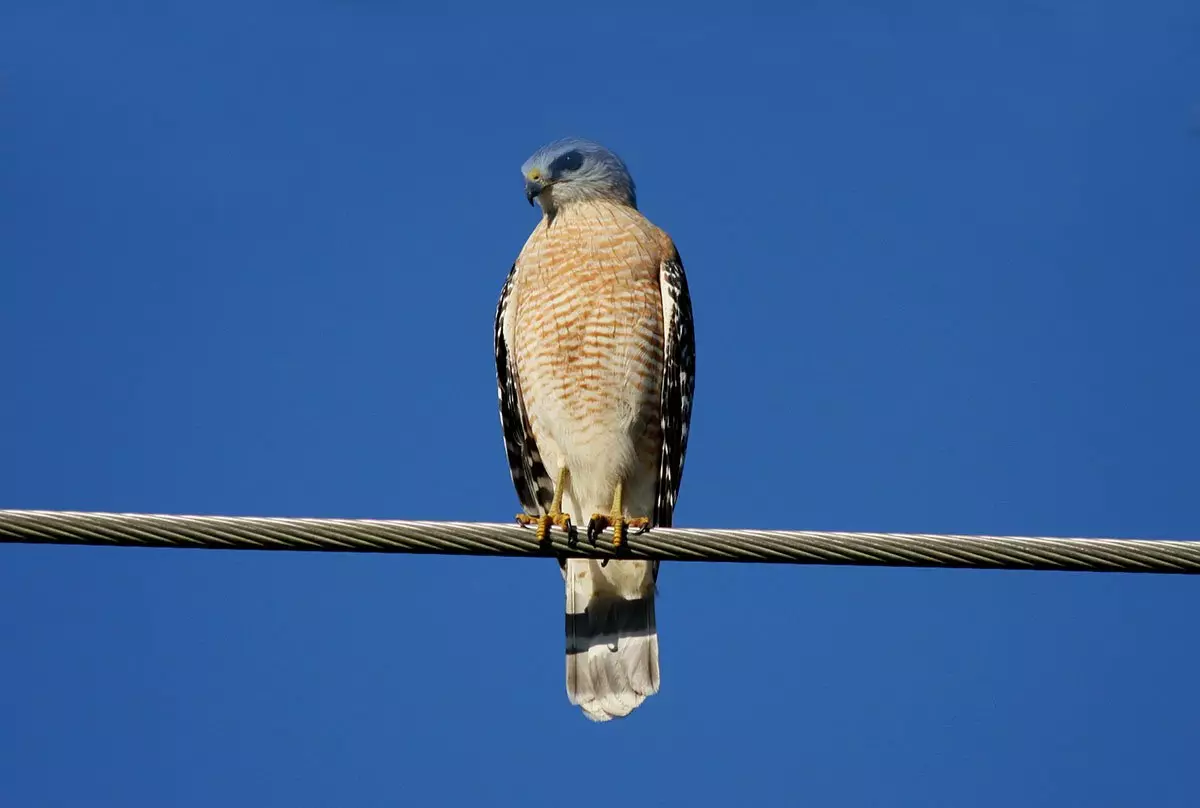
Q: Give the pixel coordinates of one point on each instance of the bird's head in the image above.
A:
(572, 170)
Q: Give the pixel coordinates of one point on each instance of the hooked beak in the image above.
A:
(532, 189)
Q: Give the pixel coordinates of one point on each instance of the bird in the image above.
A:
(595, 371)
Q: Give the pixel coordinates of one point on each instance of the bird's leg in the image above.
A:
(616, 519)
(555, 516)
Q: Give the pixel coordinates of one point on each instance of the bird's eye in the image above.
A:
(571, 161)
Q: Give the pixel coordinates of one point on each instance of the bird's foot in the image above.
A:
(544, 522)
(619, 524)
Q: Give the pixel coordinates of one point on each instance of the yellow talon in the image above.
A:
(617, 521)
(544, 522)
(554, 517)
(622, 526)
(559, 519)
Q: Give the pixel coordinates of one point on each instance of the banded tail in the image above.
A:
(612, 641)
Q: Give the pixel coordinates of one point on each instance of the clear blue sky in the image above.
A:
(946, 269)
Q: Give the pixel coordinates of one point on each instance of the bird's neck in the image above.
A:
(587, 208)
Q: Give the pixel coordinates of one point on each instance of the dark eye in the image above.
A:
(571, 161)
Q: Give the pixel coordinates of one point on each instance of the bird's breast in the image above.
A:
(589, 331)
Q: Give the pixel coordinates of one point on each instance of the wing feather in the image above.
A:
(533, 484)
(678, 385)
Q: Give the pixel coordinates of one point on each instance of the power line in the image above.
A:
(668, 544)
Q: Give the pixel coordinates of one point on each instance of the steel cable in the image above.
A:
(668, 544)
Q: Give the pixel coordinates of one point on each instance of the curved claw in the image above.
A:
(596, 525)
(599, 522)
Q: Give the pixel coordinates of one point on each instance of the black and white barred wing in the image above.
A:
(678, 384)
(533, 485)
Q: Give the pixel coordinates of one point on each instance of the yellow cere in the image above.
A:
(535, 175)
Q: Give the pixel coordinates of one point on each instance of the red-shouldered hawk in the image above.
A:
(595, 362)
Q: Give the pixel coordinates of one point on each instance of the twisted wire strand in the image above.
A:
(668, 544)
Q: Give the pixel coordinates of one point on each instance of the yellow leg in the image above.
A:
(616, 516)
(555, 516)
(616, 519)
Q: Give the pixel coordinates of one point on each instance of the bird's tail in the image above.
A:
(612, 642)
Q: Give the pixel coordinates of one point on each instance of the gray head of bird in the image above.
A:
(576, 170)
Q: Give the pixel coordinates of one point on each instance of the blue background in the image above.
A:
(945, 272)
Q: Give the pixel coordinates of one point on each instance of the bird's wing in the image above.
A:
(529, 476)
(678, 384)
